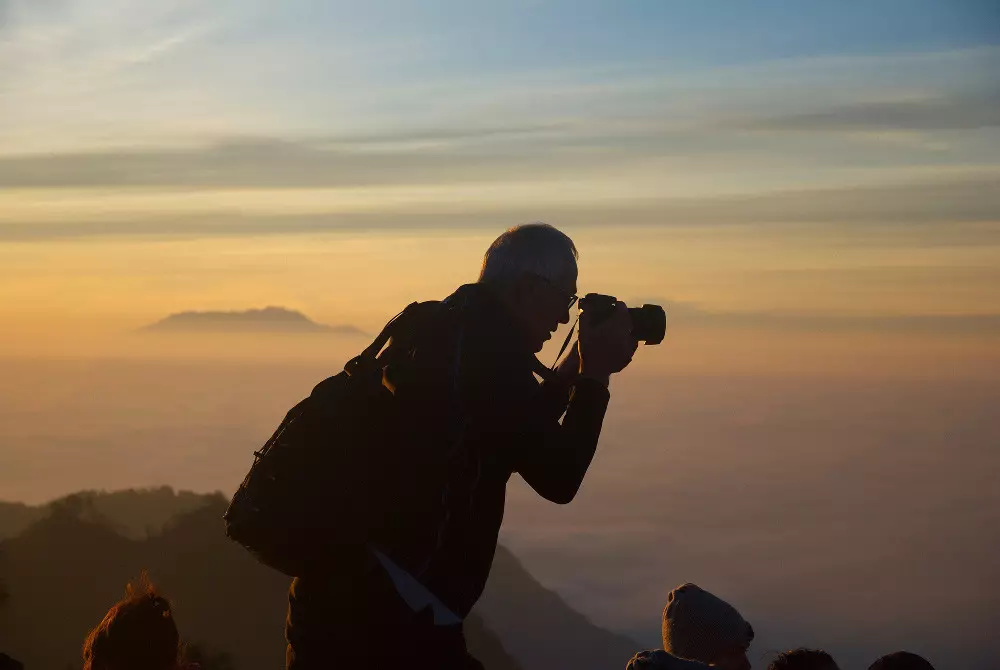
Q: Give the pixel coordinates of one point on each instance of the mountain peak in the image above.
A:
(269, 319)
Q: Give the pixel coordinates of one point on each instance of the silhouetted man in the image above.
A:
(478, 415)
(901, 660)
(803, 659)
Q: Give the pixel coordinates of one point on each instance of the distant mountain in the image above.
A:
(64, 570)
(540, 629)
(134, 513)
(267, 320)
(15, 517)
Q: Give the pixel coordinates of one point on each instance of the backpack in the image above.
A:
(313, 489)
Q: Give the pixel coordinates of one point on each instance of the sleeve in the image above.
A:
(553, 398)
(550, 455)
(553, 457)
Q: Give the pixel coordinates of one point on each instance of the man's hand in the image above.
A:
(606, 347)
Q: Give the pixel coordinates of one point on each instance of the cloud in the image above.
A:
(916, 205)
(683, 314)
(417, 156)
(957, 112)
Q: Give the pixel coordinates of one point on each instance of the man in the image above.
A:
(475, 415)
(658, 659)
(901, 660)
(702, 627)
(803, 659)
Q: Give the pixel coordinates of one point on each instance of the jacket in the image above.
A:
(474, 415)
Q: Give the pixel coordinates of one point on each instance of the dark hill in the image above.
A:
(267, 320)
(15, 517)
(134, 513)
(539, 628)
(66, 569)
(63, 572)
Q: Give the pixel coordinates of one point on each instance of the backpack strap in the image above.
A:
(370, 353)
(406, 323)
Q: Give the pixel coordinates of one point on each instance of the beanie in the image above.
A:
(700, 626)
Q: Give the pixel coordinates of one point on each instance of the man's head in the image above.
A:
(699, 626)
(901, 660)
(533, 270)
(803, 659)
(137, 632)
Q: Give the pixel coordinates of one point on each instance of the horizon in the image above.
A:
(812, 193)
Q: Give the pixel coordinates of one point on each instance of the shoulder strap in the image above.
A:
(406, 322)
(371, 352)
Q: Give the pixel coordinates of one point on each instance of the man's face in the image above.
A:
(542, 304)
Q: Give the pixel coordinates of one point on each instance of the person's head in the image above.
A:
(901, 660)
(137, 633)
(533, 270)
(803, 659)
(699, 626)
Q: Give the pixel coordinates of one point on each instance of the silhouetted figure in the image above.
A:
(8, 663)
(901, 660)
(803, 659)
(137, 633)
(658, 659)
(476, 415)
(702, 627)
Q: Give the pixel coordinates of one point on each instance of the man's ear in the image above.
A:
(523, 288)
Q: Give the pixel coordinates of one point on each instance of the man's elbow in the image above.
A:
(562, 495)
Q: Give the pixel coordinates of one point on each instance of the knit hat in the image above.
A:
(698, 625)
(901, 660)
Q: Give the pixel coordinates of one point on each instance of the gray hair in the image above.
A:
(533, 247)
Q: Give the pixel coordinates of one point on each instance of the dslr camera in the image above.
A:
(649, 322)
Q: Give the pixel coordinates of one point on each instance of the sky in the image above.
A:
(840, 158)
(811, 189)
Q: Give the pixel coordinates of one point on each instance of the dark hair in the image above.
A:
(137, 633)
(901, 660)
(803, 659)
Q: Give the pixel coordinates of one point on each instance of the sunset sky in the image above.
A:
(343, 158)
(812, 189)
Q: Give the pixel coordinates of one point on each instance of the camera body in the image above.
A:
(649, 322)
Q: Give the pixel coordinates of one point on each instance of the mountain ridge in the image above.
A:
(269, 319)
(85, 546)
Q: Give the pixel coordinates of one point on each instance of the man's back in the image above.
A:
(444, 483)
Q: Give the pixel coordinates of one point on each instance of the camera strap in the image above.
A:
(565, 343)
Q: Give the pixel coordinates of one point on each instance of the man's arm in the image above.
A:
(553, 457)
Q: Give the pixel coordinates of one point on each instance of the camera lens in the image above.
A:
(649, 323)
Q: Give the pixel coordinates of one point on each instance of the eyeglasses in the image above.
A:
(570, 299)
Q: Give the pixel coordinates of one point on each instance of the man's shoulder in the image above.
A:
(468, 329)
(487, 330)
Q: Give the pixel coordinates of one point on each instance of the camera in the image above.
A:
(649, 322)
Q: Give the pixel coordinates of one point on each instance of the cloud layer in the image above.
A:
(915, 204)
